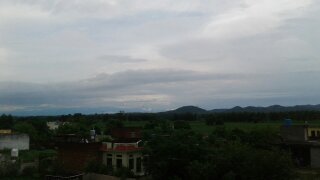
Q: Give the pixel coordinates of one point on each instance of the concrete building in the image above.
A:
(5, 131)
(123, 155)
(294, 133)
(303, 141)
(300, 133)
(313, 133)
(53, 125)
(75, 152)
(125, 150)
(315, 156)
(14, 141)
(127, 133)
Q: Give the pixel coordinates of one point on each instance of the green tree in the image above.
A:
(6, 121)
(113, 124)
(181, 125)
(224, 155)
(74, 128)
(169, 156)
(27, 128)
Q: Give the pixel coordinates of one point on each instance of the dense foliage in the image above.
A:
(260, 116)
(182, 154)
(172, 149)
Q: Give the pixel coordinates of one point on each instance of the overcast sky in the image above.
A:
(154, 55)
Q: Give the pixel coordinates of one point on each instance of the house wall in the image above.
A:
(53, 125)
(74, 157)
(294, 133)
(94, 176)
(18, 141)
(5, 131)
(125, 156)
(127, 133)
(313, 132)
(315, 157)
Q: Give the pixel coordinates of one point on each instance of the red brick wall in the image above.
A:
(74, 157)
(126, 133)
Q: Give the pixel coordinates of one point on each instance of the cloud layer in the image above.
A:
(157, 55)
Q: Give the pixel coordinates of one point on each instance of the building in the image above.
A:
(125, 154)
(125, 150)
(300, 133)
(11, 140)
(53, 125)
(5, 131)
(74, 153)
(127, 133)
(313, 133)
(303, 141)
(74, 157)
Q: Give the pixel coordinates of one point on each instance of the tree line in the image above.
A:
(236, 154)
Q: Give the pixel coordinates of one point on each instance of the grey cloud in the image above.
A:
(235, 53)
(120, 59)
(276, 51)
(153, 76)
(138, 86)
(157, 89)
(127, 6)
(257, 48)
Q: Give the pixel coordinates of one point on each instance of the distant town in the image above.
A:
(186, 143)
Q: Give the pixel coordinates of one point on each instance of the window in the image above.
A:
(109, 161)
(132, 134)
(119, 163)
(131, 163)
(313, 134)
(138, 164)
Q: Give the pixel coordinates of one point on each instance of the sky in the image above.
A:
(59, 56)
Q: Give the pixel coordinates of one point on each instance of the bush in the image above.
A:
(9, 169)
(96, 167)
(29, 171)
(123, 173)
(181, 125)
(46, 166)
(223, 155)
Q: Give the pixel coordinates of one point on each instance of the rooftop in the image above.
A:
(121, 148)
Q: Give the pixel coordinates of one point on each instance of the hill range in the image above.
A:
(273, 108)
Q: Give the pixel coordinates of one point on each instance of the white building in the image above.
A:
(123, 155)
(53, 125)
(14, 141)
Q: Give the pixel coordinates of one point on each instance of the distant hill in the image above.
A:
(188, 109)
(181, 110)
(273, 108)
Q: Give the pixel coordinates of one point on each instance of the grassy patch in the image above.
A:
(5, 151)
(32, 155)
(134, 123)
(306, 174)
(20, 178)
(201, 127)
